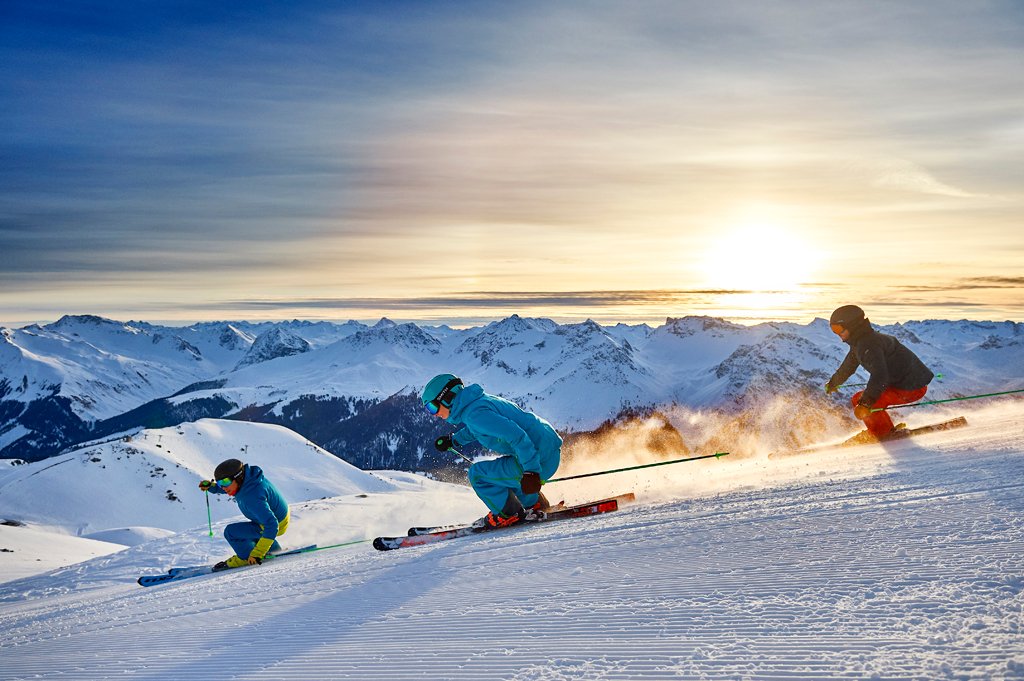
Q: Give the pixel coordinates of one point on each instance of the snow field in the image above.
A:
(29, 551)
(897, 563)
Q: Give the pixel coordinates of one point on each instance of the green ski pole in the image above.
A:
(716, 455)
(938, 377)
(209, 516)
(952, 399)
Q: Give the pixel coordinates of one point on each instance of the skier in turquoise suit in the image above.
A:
(531, 449)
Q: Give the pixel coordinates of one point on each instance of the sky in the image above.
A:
(460, 162)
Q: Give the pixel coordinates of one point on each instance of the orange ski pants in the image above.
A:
(878, 423)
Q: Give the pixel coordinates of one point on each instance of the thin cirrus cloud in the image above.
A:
(491, 299)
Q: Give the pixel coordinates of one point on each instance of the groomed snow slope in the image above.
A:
(903, 562)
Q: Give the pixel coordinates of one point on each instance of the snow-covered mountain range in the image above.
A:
(351, 388)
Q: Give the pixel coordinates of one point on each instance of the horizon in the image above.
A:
(476, 322)
(448, 162)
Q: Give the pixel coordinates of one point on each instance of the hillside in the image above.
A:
(883, 562)
(97, 499)
(151, 478)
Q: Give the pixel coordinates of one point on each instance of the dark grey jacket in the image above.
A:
(890, 363)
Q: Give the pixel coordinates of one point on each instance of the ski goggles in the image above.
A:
(442, 400)
(838, 329)
(226, 482)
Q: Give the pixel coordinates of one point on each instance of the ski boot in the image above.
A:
(495, 521)
(898, 432)
(232, 562)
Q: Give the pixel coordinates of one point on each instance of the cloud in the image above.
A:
(969, 283)
(492, 299)
(908, 176)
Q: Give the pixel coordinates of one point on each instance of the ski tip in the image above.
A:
(380, 545)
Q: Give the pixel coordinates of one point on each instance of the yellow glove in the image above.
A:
(260, 550)
(862, 411)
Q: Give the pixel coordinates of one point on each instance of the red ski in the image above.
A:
(579, 511)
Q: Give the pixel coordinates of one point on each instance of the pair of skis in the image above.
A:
(417, 536)
(176, 574)
(420, 536)
(861, 439)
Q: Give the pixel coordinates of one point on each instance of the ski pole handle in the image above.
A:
(445, 443)
(440, 444)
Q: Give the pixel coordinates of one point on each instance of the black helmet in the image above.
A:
(232, 468)
(847, 316)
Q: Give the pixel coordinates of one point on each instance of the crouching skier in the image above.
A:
(510, 484)
(260, 502)
(897, 375)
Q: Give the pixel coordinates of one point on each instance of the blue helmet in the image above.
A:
(441, 389)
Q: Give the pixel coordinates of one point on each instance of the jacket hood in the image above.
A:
(253, 477)
(462, 400)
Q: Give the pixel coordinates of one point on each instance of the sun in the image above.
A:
(758, 257)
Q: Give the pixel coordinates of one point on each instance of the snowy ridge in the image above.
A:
(693, 362)
(84, 377)
(899, 562)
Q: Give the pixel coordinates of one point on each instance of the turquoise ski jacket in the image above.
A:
(504, 428)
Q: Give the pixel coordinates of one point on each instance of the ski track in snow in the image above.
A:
(907, 565)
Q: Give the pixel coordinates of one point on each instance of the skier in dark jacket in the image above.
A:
(897, 375)
(260, 502)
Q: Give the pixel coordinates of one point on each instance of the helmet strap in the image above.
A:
(444, 398)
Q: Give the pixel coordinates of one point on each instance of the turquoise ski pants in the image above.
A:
(494, 479)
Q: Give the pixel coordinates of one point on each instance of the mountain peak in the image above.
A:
(69, 320)
(690, 325)
(273, 343)
(233, 338)
(393, 335)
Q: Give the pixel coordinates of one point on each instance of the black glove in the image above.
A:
(443, 443)
(205, 485)
(530, 482)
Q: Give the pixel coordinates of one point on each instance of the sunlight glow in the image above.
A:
(759, 257)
